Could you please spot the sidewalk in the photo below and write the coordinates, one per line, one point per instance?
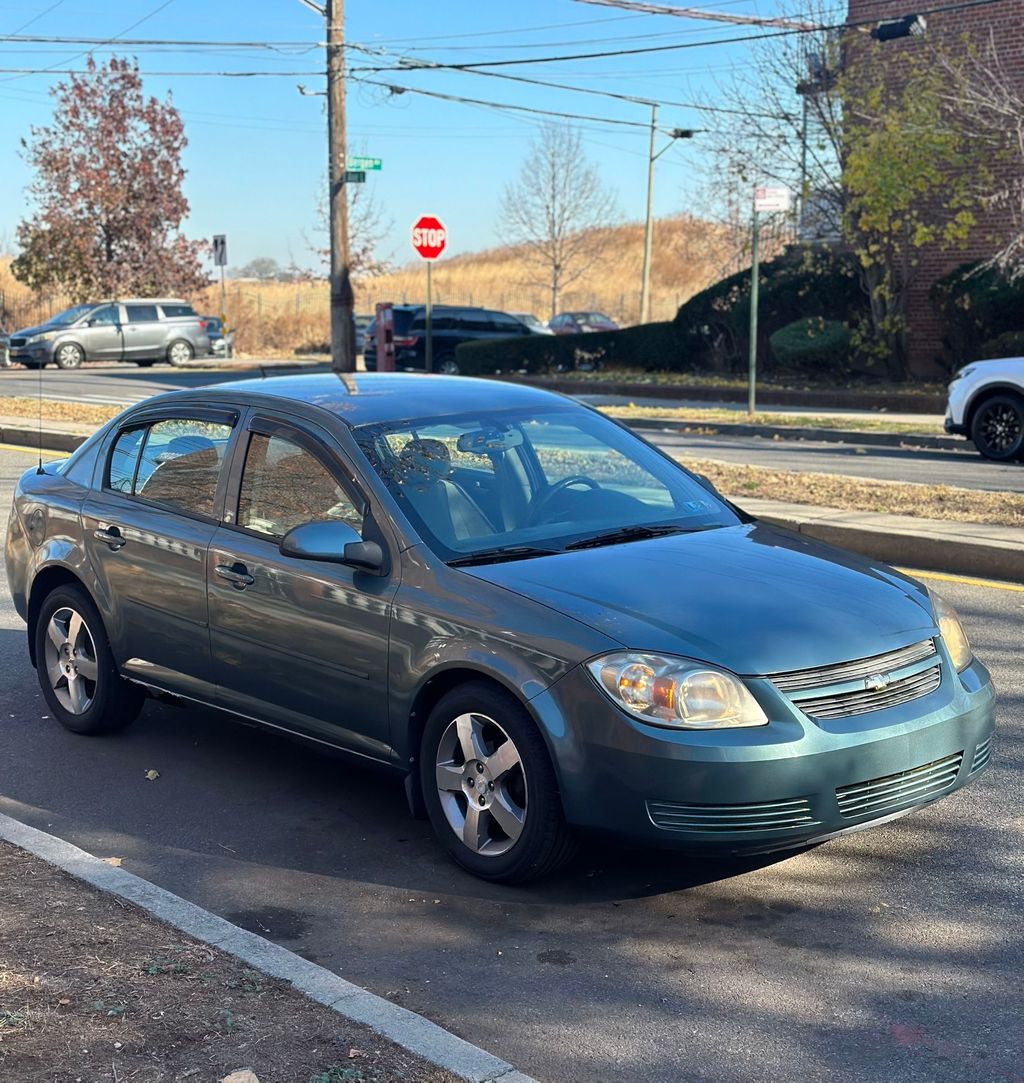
(104, 976)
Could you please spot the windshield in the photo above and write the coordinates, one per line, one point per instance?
(69, 315)
(538, 479)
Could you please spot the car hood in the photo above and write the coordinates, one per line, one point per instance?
(27, 331)
(753, 598)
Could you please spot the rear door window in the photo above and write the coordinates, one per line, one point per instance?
(141, 313)
(175, 462)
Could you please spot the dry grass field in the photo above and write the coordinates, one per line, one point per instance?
(282, 317)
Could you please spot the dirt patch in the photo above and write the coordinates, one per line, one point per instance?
(52, 410)
(944, 502)
(788, 421)
(91, 989)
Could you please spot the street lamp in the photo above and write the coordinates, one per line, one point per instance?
(909, 26)
(652, 157)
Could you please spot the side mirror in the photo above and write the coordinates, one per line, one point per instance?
(333, 542)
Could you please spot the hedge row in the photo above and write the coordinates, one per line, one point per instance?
(978, 306)
(648, 346)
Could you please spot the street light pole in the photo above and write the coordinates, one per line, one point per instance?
(343, 338)
(645, 282)
(652, 157)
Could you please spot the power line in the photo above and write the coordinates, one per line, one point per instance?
(677, 46)
(503, 105)
(36, 18)
(107, 41)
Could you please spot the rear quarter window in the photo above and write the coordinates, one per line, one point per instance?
(178, 310)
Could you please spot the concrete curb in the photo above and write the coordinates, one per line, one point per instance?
(823, 436)
(405, 1028)
(48, 439)
(902, 546)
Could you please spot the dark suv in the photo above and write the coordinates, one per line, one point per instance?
(451, 325)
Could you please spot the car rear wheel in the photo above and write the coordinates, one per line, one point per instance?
(69, 356)
(448, 366)
(997, 427)
(76, 669)
(180, 352)
(490, 788)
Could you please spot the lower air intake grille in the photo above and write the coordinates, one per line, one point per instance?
(982, 754)
(771, 816)
(882, 795)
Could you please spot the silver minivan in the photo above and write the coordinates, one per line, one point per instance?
(143, 330)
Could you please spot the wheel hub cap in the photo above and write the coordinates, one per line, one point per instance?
(70, 658)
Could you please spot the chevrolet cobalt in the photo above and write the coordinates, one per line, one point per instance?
(536, 618)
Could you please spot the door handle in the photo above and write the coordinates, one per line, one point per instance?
(111, 536)
(236, 574)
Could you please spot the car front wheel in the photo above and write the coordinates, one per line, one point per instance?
(997, 428)
(490, 788)
(76, 669)
(69, 356)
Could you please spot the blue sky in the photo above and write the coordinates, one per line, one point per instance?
(257, 149)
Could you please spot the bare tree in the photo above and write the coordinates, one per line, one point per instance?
(367, 227)
(555, 206)
(779, 119)
(989, 102)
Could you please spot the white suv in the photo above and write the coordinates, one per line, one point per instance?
(986, 403)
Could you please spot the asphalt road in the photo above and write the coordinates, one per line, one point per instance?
(123, 383)
(895, 953)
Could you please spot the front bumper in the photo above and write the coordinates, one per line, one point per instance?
(790, 783)
(41, 352)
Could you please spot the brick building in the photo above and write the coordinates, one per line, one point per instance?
(1004, 21)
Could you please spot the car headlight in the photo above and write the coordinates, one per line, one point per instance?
(953, 634)
(965, 371)
(41, 337)
(676, 692)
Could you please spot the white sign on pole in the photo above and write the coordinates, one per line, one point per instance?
(767, 200)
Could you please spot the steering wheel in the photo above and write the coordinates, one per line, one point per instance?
(541, 503)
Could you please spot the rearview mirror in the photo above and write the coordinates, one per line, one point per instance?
(332, 542)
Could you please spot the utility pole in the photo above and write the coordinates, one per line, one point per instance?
(645, 283)
(343, 335)
(755, 279)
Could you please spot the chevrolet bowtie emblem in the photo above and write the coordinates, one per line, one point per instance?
(876, 682)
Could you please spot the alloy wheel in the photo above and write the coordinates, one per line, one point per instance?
(1000, 427)
(448, 367)
(481, 784)
(71, 664)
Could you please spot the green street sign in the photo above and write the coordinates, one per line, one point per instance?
(372, 164)
(354, 176)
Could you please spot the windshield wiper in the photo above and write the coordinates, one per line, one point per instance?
(631, 533)
(501, 552)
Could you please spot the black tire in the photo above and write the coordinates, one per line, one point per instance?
(69, 355)
(997, 427)
(115, 702)
(447, 365)
(33, 365)
(180, 352)
(545, 841)
(146, 364)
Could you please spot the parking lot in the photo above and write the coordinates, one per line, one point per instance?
(894, 953)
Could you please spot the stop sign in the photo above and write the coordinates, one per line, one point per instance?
(429, 237)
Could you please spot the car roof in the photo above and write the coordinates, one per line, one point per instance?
(364, 398)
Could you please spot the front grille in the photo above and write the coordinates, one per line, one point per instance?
(846, 689)
(913, 787)
(844, 704)
(18, 341)
(982, 754)
(851, 671)
(789, 815)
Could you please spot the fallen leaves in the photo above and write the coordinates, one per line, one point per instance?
(152, 775)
